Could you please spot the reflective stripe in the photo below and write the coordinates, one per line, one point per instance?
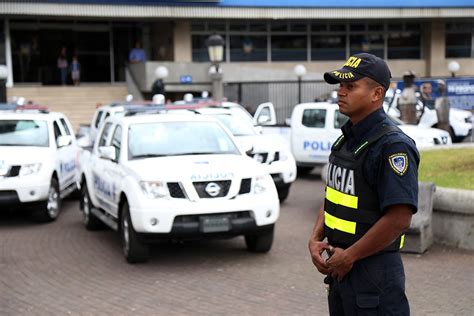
(340, 198)
(402, 241)
(339, 224)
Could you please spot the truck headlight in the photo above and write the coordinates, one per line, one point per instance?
(468, 119)
(154, 189)
(260, 185)
(30, 168)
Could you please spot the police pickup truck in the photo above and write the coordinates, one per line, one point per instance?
(175, 177)
(316, 125)
(273, 153)
(38, 160)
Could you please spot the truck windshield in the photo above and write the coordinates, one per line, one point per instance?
(159, 139)
(237, 125)
(24, 133)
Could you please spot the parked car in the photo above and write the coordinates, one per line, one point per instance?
(173, 176)
(38, 160)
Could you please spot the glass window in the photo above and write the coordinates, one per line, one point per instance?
(257, 27)
(24, 133)
(97, 120)
(200, 49)
(105, 134)
(237, 26)
(198, 26)
(57, 131)
(248, 48)
(117, 141)
(178, 138)
(337, 27)
(339, 119)
(375, 26)
(65, 127)
(279, 26)
(216, 27)
(459, 39)
(289, 48)
(318, 27)
(404, 45)
(314, 118)
(369, 43)
(328, 47)
(357, 27)
(298, 27)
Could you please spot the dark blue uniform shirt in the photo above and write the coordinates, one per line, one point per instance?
(392, 186)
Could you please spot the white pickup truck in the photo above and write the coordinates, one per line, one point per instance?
(461, 121)
(174, 176)
(316, 125)
(38, 159)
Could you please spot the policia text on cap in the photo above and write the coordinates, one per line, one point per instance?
(371, 194)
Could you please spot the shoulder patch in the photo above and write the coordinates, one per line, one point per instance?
(399, 163)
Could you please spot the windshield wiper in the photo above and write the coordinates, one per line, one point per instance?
(196, 153)
(147, 156)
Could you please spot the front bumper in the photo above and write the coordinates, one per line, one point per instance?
(262, 210)
(26, 189)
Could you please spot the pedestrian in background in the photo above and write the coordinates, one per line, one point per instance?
(137, 54)
(62, 65)
(407, 101)
(371, 194)
(75, 71)
(442, 108)
(426, 97)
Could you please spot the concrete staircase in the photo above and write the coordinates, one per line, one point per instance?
(77, 103)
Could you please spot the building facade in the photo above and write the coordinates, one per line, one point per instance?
(263, 42)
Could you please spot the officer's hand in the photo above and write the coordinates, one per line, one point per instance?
(316, 248)
(339, 264)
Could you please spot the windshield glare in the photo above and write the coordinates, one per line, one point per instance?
(178, 138)
(238, 125)
(24, 133)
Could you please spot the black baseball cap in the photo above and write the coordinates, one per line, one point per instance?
(359, 66)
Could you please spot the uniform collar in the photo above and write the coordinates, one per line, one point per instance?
(356, 133)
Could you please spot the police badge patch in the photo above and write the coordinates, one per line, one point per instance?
(399, 163)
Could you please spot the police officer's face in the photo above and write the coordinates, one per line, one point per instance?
(355, 99)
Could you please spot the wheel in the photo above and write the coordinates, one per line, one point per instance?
(283, 192)
(133, 250)
(91, 222)
(260, 243)
(49, 210)
(301, 171)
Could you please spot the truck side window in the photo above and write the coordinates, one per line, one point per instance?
(57, 131)
(97, 120)
(339, 119)
(66, 128)
(314, 118)
(117, 140)
(104, 135)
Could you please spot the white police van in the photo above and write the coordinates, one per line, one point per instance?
(38, 159)
(273, 153)
(316, 125)
(174, 176)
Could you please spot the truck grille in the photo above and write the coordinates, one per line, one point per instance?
(245, 186)
(175, 190)
(212, 189)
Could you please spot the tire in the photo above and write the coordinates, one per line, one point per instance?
(49, 209)
(283, 192)
(301, 171)
(91, 222)
(260, 243)
(134, 251)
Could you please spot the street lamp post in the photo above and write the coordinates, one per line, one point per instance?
(158, 87)
(215, 48)
(300, 71)
(3, 82)
(453, 67)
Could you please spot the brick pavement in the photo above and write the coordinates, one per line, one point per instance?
(61, 269)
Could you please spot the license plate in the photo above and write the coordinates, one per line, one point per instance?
(214, 224)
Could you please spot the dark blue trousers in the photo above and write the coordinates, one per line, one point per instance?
(374, 286)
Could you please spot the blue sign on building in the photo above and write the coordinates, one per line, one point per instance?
(186, 79)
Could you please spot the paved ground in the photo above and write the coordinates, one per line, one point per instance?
(60, 269)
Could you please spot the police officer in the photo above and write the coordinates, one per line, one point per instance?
(371, 194)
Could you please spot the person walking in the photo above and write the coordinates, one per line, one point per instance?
(442, 108)
(371, 194)
(407, 101)
(426, 97)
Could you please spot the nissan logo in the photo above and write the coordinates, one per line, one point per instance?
(213, 189)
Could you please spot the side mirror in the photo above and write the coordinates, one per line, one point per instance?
(64, 140)
(107, 152)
